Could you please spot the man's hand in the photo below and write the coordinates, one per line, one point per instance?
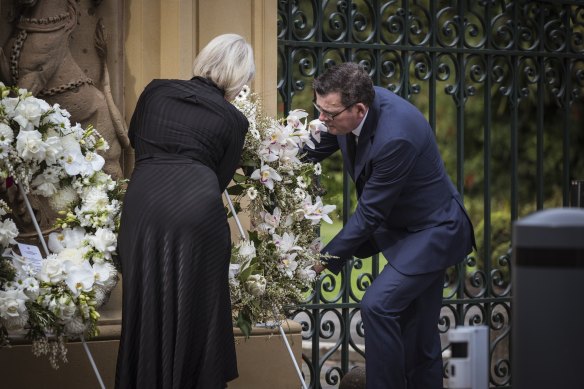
(318, 268)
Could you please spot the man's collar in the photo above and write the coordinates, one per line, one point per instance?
(357, 131)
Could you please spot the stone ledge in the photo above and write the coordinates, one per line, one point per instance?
(262, 359)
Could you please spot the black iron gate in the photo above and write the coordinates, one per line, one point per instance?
(501, 83)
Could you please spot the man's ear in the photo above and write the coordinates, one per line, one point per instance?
(361, 109)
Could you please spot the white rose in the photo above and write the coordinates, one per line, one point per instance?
(28, 113)
(12, 303)
(105, 241)
(45, 189)
(66, 307)
(52, 270)
(71, 257)
(15, 323)
(53, 149)
(30, 145)
(73, 237)
(6, 134)
(8, 231)
(256, 284)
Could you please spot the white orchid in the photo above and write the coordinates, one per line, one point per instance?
(271, 221)
(269, 153)
(295, 117)
(280, 136)
(80, 277)
(286, 243)
(317, 211)
(289, 156)
(103, 273)
(317, 127)
(279, 194)
(307, 273)
(71, 238)
(288, 264)
(266, 175)
(316, 245)
(93, 163)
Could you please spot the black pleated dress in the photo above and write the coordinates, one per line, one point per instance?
(174, 242)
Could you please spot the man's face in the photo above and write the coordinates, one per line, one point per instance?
(339, 119)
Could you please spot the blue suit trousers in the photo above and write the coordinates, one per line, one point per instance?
(402, 344)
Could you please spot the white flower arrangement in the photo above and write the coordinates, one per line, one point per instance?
(57, 297)
(272, 268)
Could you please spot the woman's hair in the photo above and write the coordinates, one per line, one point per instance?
(227, 61)
(350, 80)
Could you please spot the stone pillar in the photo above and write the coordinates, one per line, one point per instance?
(159, 39)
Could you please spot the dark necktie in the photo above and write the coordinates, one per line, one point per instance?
(351, 147)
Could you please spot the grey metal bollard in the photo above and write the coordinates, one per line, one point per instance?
(577, 193)
(548, 300)
(469, 363)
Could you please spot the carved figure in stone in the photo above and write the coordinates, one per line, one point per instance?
(37, 57)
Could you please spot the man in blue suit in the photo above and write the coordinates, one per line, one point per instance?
(407, 208)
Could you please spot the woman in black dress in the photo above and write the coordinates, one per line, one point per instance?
(174, 242)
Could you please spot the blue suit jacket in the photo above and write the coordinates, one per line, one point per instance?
(408, 207)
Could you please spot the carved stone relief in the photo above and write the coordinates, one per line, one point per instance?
(67, 52)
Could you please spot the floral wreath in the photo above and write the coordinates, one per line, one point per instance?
(272, 268)
(57, 297)
(54, 296)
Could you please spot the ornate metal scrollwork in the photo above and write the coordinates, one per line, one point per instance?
(512, 56)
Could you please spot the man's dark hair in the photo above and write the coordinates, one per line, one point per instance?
(350, 80)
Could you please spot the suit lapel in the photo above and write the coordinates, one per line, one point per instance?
(366, 138)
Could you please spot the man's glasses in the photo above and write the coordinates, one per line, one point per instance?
(331, 116)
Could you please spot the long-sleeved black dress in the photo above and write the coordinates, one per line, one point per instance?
(174, 243)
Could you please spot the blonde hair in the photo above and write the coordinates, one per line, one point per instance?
(227, 61)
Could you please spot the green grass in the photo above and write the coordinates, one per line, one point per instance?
(327, 232)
